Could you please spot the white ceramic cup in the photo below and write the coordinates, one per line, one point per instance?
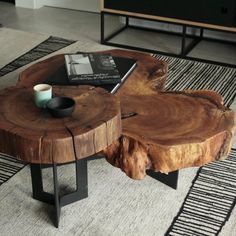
(42, 94)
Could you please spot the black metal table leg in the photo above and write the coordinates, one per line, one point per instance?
(183, 40)
(201, 33)
(37, 185)
(81, 184)
(104, 40)
(56, 196)
(186, 49)
(170, 179)
(126, 21)
(55, 199)
(102, 27)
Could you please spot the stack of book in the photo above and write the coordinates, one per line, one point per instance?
(101, 70)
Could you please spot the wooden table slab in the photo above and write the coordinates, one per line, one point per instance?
(31, 134)
(161, 131)
(169, 131)
(148, 77)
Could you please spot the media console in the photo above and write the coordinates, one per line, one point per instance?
(216, 15)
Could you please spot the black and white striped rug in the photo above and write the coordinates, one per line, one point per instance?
(212, 195)
(210, 200)
(9, 166)
(187, 74)
(50, 45)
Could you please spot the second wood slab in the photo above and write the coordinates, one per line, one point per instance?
(168, 131)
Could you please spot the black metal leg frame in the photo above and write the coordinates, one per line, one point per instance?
(54, 199)
(185, 48)
(170, 179)
(81, 185)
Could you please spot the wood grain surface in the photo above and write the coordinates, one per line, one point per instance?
(162, 131)
(33, 135)
(171, 130)
(148, 76)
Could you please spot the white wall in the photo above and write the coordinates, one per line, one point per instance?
(33, 4)
(83, 5)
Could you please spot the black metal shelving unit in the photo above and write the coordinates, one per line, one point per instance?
(185, 48)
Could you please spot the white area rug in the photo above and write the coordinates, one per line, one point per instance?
(116, 204)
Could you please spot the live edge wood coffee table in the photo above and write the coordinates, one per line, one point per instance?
(162, 132)
(32, 135)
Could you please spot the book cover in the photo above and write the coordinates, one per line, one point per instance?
(125, 67)
(91, 68)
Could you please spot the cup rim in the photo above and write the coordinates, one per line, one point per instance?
(42, 87)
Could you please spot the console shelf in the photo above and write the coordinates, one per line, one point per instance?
(185, 24)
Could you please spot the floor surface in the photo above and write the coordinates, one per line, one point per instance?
(72, 24)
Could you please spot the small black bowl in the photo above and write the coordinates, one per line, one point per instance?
(61, 106)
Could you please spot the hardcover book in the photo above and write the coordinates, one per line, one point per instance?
(124, 65)
(92, 68)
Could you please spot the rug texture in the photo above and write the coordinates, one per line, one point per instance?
(203, 204)
(50, 45)
(210, 200)
(9, 166)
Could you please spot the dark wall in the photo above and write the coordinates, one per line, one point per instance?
(11, 1)
(221, 12)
